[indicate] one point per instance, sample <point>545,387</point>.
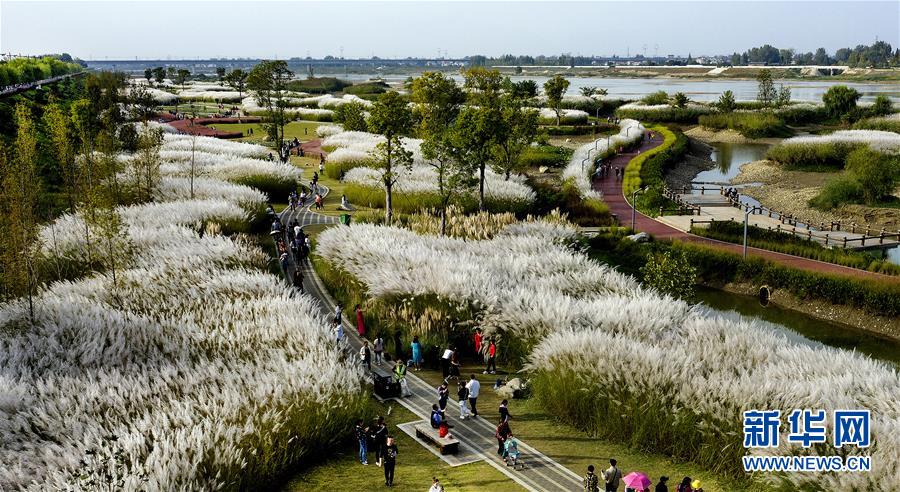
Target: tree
<point>181,77</point>
<point>148,74</point>
<point>671,273</point>
<point>784,96</point>
<point>141,102</point>
<point>19,190</point>
<point>391,118</point>
<point>523,89</point>
<point>438,101</point>
<point>821,57</point>
<point>171,72</point>
<point>268,80</point>
<point>840,100</point>
<point>237,80</point>
<point>159,73</point>
<point>519,127</point>
<point>766,89</point>
<point>680,100</point>
<point>554,90</point>
<point>588,91</point>
<point>478,125</point>
<point>726,102</point>
<point>220,72</point>
<point>57,123</point>
<point>656,98</point>
<point>882,106</point>
<point>145,163</point>
<point>352,116</point>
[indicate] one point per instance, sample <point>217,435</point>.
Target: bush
<point>670,114</point>
<point>317,85</point>
<point>656,98</point>
<point>750,125</point>
<point>839,191</point>
<point>883,124</point>
<point>825,156</point>
<point>566,197</point>
<point>410,203</point>
<point>366,88</point>
<point>545,155</point>
<point>800,114</point>
<point>671,273</point>
<point>876,173</point>
<point>276,189</point>
<point>352,116</point>
<point>840,100</point>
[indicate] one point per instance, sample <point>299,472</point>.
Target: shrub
<point>671,273</point>
<point>656,98</point>
<point>840,100</point>
<point>825,156</point>
<point>876,173</point>
<point>646,169</point>
<point>366,89</point>
<point>882,124</point>
<point>840,190</point>
<point>352,116</point>
<point>545,155</point>
<point>750,125</point>
<point>882,106</point>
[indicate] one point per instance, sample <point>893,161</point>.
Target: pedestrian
<point>462,394</point>
<point>362,436</point>
<point>591,481</point>
<point>612,476</point>
<point>443,395</point>
<point>661,486</point>
<point>478,338</point>
<point>360,322</point>
<point>285,263</point>
<point>338,330</point>
<point>390,461</point>
<point>684,486</point>
<point>379,439</point>
<point>491,365</point>
<point>445,363</point>
<point>337,313</point>
<point>365,355</point>
<point>416,353</point>
<point>501,434</point>
<point>378,348</point>
<point>504,410</point>
<point>298,280</point>
<point>436,416</point>
<point>400,377</point>
<point>319,205</point>
<point>696,486</point>
<point>436,485</point>
<point>321,168</point>
<point>454,364</point>
<point>474,387</point>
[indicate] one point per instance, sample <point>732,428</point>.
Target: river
<point>828,333</point>
<point>698,90</point>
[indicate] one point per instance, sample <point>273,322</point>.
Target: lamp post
<point>747,213</point>
<point>634,205</point>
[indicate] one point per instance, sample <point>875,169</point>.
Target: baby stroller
<point>511,453</point>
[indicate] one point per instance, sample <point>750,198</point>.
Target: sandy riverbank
<point>726,136</point>
<point>695,161</point>
<point>790,191</point>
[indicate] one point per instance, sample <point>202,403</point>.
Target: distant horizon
<point>100,31</point>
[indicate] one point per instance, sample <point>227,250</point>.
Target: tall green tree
<point>352,116</point>
<point>391,118</point>
<point>517,131</point>
<point>145,163</point>
<point>784,96</point>
<point>438,101</point>
<point>58,124</point>
<point>148,74</point>
<point>159,74</point>
<point>478,124</point>
<point>523,89</point>
<point>20,188</point>
<point>220,73</point>
<point>181,76</point>
<point>765,93</point>
<point>554,89</point>
<point>268,80</point>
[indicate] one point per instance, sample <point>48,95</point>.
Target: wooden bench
<point>447,445</point>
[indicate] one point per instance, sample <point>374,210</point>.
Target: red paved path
<point>612,195</point>
<point>200,126</point>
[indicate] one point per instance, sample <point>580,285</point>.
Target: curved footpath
<point>476,436</point>
<point>618,205</point>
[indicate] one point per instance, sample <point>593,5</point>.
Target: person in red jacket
<point>491,358</point>
<point>478,338</point>
<point>360,322</point>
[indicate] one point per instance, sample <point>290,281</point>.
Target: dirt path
<point>612,195</point>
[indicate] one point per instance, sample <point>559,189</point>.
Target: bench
<point>447,445</point>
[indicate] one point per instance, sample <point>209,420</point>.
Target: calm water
<point>729,158</point>
<point>828,333</point>
<point>698,90</point>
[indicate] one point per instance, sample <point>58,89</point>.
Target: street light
<point>634,205</point>
<point>747,212</point>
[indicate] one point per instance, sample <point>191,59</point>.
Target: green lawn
<point>309,165</point>
<point>341,471</point>
<point>303,130</point>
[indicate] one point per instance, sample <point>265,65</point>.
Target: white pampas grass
<point>630,131</point>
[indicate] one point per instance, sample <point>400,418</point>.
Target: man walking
<point>491,365</point>
<point>591,481</point>
<point>462,393</point>
<point>365,355</point>
<point>362,435</point>
<point>474,387</point>
<point>390,461</point>
<point>612,476</point>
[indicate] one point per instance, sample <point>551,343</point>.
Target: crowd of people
<point>611,479</point>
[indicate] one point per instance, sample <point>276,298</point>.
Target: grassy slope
<point>415,467</point>
<point>303,130</point>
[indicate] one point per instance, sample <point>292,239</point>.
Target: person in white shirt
<point>436,485</point>
<point>474,387</point>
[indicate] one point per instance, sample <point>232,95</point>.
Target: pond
<point>729,157</point>
<point>825,332</point>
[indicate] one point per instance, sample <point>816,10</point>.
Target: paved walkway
<point>618,205</point>
<point>476,436</point>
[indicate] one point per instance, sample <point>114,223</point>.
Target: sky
<point>233,29</point>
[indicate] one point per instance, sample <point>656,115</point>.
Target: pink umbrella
<point>637,480</point>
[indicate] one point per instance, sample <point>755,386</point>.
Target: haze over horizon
<point>161,30</point>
